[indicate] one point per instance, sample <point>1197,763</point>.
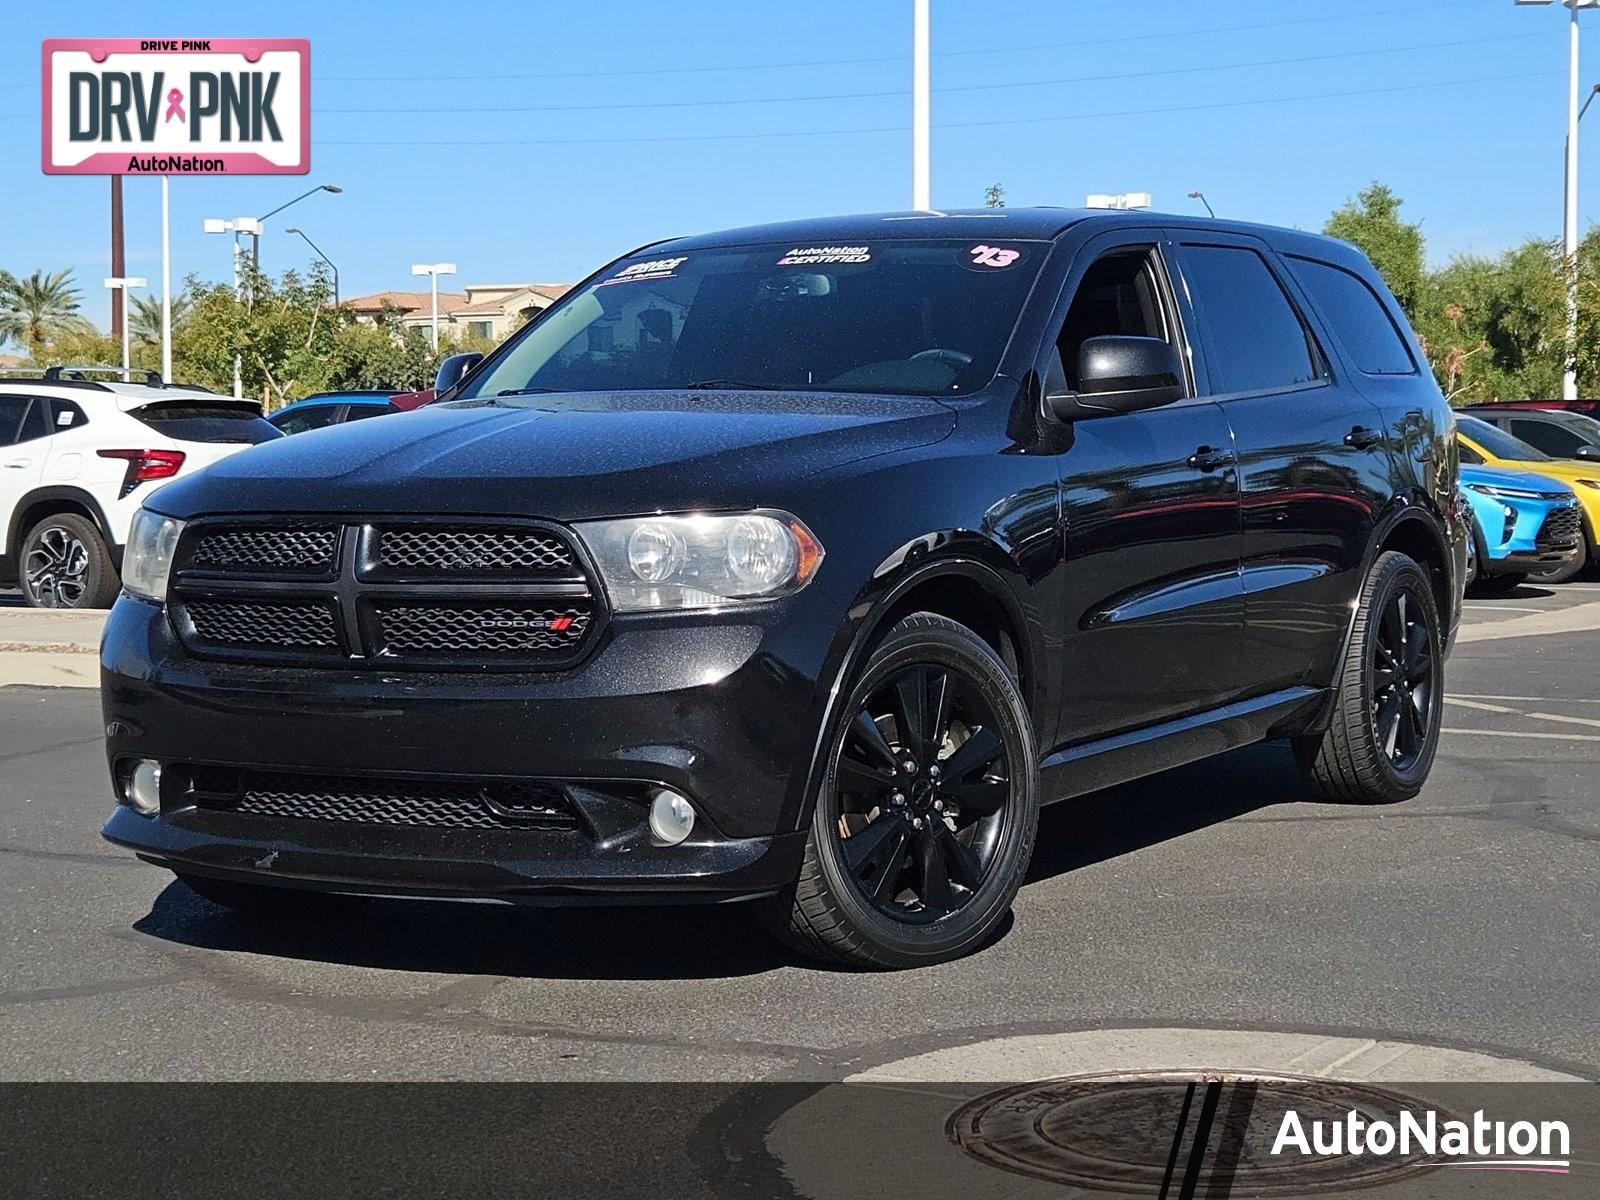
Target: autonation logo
<point>1477,1145</point>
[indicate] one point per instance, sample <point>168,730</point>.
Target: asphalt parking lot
<point>1452,933</point>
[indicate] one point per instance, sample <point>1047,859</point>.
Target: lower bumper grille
<point>1561,529</point>
<point>428,804</point>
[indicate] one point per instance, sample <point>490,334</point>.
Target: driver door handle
<point>18,464</point>
<point>1208,458</point>
<point>1363,439</point>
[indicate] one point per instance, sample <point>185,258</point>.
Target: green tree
<point>994,196</point>
<point>36,310</point>
<point>144,316</point>
<point>1372,222</point>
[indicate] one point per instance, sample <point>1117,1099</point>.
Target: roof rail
<point>151,378</point>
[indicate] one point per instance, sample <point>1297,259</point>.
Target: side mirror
<point>1121,375</point>
<point>453,369</point>
<point>1588,453</point>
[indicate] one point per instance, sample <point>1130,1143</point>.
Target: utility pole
<point>118,266</point>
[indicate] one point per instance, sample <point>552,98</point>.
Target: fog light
<point>671,817</point>
<point>144,786</point>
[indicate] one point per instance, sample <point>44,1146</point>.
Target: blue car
<point>1522,524</point>
<point>331,408</point>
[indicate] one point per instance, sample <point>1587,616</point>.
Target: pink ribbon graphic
<point>175,105</point>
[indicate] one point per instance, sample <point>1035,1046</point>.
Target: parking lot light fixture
<point>255,246</point>
<point>433,271</point>
<point>124,284</point>
<point>1201,196</point>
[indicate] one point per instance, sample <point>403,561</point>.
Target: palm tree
<point>35,310</point>
<point>144,316</point>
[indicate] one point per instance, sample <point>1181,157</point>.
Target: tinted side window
<point>1118,295</point>
<point>1547,436</point>
<point>1360,322</point>
<point>360,412</point>
<point>35,424</point>
<point>1254,339</point>
<point>12,410</point>
<point>1469,455</point>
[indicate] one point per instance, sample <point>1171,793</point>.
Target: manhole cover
<point>1179,1133</point>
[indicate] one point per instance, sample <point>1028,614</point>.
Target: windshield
<point>1500,443</point>
<point>902,317</point>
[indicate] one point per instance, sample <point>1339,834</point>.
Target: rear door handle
<point>1207,458</point>
<point>1363,439</point>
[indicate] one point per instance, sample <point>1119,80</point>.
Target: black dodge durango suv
<point>801,564</point>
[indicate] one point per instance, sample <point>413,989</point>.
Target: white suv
<point>78,457</point>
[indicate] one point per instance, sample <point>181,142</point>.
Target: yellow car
<point>1485,444</point>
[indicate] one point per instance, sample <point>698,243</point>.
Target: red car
<point>1589,408</point>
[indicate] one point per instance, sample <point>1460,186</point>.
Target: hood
<point>565,457</point>
<point>1505,477</point>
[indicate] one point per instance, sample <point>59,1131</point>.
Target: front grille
<point>307,549</point>
<point>1561,529</point>
<point>425,804</point>
<point>301,624</point>
<point>453,550</point>
<point>412,592</point>
<point>434,629</point>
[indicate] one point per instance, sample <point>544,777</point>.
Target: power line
<point>966,88</point>
<point>479,76</point>
<point>900,129</point>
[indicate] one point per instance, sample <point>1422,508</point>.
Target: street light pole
<point>921,188</point>
<point>120,286</point>
<point>238,225</point>
<point>433,271</point>
<point>255,237</point>
<point>1201,196</point>
<point>1569,222</point>
<point>317,250</point>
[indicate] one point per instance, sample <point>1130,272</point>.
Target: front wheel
<point>927,814</point>
<point>1562,572</point>
<point>1385,730</point>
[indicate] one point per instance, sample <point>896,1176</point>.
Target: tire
<point>1499,585</point>
<point>1353,762</point>
<point>1570,569</point>
<point>955,800</point>
<point>65,564</point>
<point>259,899</point>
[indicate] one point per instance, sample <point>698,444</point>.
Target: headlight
<point>147,561</point>
<point>1509,493</point>
<point>655,563</point>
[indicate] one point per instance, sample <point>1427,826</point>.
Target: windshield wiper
<point>526,391</point>
<point>723,385</point>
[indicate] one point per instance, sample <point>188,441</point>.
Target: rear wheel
<point>65,564</point>
<point>927,814</point>
<point>1385,730</point>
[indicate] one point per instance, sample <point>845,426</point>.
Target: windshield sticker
<point>993,258</point>
<point>659,268</point>
<point>816,256</point>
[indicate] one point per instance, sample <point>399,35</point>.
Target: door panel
<point>1153,616</point>
<point>24,441</point>
<point>1312,455</point>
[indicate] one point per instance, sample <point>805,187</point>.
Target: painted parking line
<point>1527,699</point>
<point>1480,706</point>
<point>1548,737</point>
<point>1539,716</point>
<point>1502,608</point>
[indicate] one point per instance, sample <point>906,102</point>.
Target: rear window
<point>198,421</point>
<point>1360,322</point>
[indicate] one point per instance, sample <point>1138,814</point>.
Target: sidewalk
<point>50,648</point>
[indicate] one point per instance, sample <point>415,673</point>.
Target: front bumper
<point>723,711</point>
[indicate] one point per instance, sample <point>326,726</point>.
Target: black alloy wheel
<point>1402,678</point>
<point>1383,731</point>
<point>921,788</point>
<point>926,814</point>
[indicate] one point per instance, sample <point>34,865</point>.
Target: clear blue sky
<point>533,141</point>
